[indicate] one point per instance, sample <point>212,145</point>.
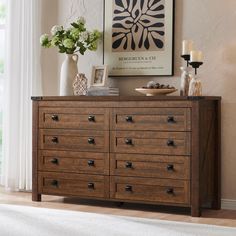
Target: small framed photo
<point>99,76</point>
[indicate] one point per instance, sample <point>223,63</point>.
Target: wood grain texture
<point>151,142</point>
<point>75,162</point>
<point>35,193</point>
<point>76,140</point>
<point>130,158</point>
<point>74,118</point>
<point>162,119</point>
<point>150,189</point>
<point>151,166</point>
<point>73,184</point>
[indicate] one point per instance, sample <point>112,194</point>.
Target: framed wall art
<point>139,37</point>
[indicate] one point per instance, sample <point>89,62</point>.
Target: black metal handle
<point>170,143</point>
<point>128,141</point>
<point>129,119</point>
<point>129,165</point>
<point>128,188</point>
<point>55,139</point>
<point>91,140</point>
<point>170,167</point>
<point>170,119</point>
<point>91,162</point>
<point>55,118</point>
<point>91,118</point>
<point>91,185</point>
<point>54,161</point>
<point>54,183</point>
<point>170,191</point>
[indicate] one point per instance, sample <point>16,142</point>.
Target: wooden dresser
<point>157,150</point>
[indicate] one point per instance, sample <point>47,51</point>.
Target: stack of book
<point>103,91</point>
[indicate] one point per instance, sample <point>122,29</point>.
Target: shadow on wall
<point>49,58</point>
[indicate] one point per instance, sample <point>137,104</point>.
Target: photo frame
<point>139,37</point>
<point>99,76</point>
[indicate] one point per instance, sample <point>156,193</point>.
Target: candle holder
<point>196,65</point>
<point>186,58</point>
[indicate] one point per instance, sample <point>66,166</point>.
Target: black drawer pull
<point>55,118</point>
<point>55,140</point>
<point>170,143</point>
<point>170,191</point>
<point>129,141</point>
<point>55,161</point>
<point>128,188</point>
<point>170,119</point>
<point>54,183</point>
<point>129,165</point>
<point>91,163</point>
<point>170,167</point>
<point>129,119</point>
<point>91,140</point>
<point>91,118</point>
<point>91,185</point>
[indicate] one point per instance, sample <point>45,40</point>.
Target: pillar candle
<point>196,56</point>
<point>187,47</point>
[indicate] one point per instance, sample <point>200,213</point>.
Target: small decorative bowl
<point>155,92</point>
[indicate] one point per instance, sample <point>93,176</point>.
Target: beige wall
<point>210,23</point>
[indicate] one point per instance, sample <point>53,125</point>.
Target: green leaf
<point>75,25</point>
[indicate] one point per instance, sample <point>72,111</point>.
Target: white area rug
<point>30,221</point>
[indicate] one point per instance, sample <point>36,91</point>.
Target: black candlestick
<point>186,58</point>
<point>196,65</point>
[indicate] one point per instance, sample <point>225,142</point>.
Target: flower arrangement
<point>72,40</point>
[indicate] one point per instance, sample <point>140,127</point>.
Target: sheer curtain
<point>23,79</point>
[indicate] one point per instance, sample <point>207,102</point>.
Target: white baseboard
<point>228,204</point>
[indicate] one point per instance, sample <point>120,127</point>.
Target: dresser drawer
<point>163,119</point>
<point>76,140</point>
<point>153,166</point>
<point>150,190</point>
<point>74,118</point>
<point>75,162</point>
<point>74,184</point>
<point>169,143</point>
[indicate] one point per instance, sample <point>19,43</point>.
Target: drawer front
<point>152,190</point>
<point>77,140</point>
<point>74,118</point>
<point>169,143</point>
<point>163,119</point>
<point>153,166</point>
<point>76,162</point>
<point>74,184</point>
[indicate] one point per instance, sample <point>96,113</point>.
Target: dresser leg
<point>195,211</point>
<point>216,204</point>
<point>36,197</point>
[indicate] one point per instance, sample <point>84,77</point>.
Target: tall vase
<point>69,70</point>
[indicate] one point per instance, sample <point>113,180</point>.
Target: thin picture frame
<point>149,64</point>
<point>99,76</point>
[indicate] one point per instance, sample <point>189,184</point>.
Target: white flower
<point>81,20</point>
<point>55,29</point>
<point>84,36</point>
<point>44,38</point>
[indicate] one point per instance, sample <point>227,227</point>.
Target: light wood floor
<point>222,217</point>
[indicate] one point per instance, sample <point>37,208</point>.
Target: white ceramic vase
<point>69,70</point>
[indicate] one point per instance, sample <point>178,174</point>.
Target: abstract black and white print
<point>138,25</point>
